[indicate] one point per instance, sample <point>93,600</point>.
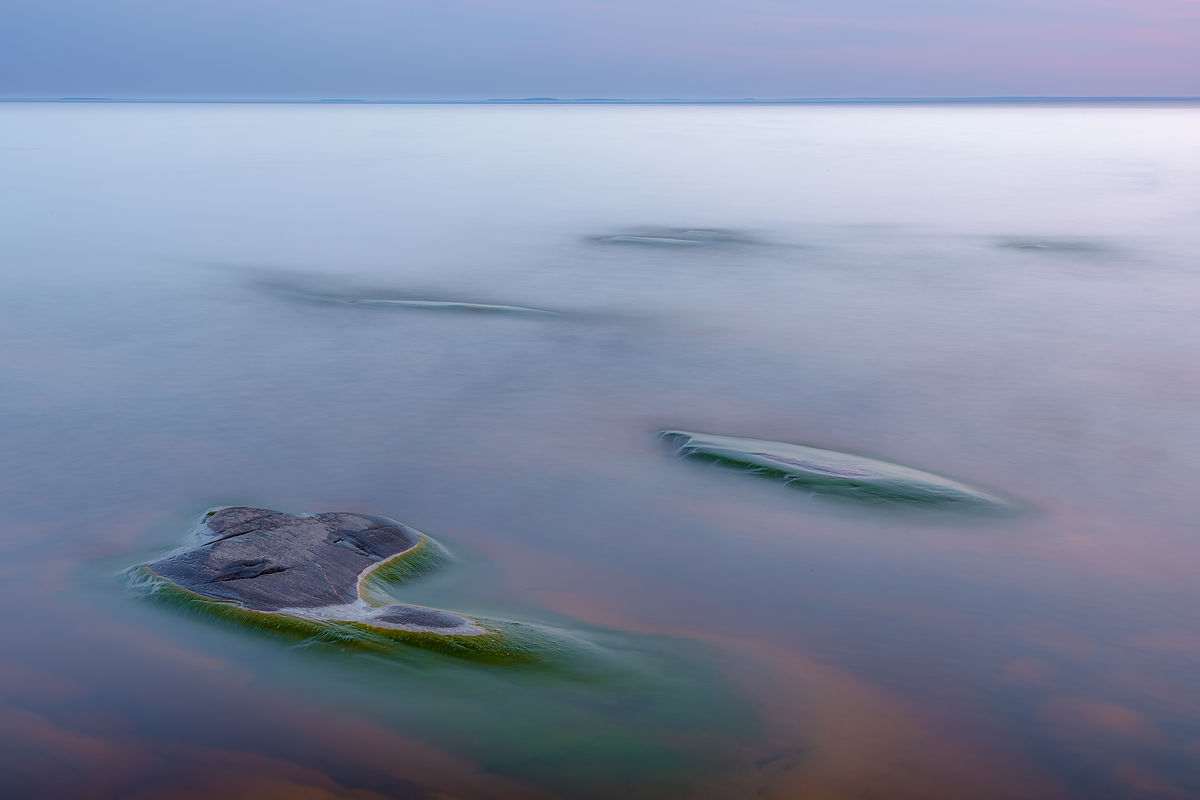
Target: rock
<point>448,305</point>
<point>677,237</point>
<point>832,472</point>
<point>315,567</point>
<point>1080,246</point>
<point>332,293</point>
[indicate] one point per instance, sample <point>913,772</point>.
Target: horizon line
<point>617,100</point>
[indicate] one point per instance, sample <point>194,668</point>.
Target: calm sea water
<point>1008,295</point>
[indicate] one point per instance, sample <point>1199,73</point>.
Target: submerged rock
<point>830,471</point>
<point>1053,245</point>
<point>447,305</point>
<point>365,300</point>
<point>325,292</point>
<point>677,237</point>
<point>402,303</point>
<point>318,568</point>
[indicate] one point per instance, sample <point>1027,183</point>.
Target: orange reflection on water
<point>212,772</point>
<point>1063,642</point>
<point>1082,719</point>
<point>1168,698</point>
<point>1142,780</point>
<point>62,762</point>
<point>1029,672</point>
<point>1181,643</point>
<point>828,735</point>
<point>859,740</point>
<point>64,724</point>
<point>23,683</point>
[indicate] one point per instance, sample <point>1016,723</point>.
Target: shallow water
<point>1004,295</point>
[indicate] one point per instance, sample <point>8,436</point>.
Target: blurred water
<point>1007,295</point>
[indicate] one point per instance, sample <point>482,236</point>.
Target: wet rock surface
<point>830,471</point>
<point>310,566</point>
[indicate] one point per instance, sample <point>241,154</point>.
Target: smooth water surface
<point>332,308</point>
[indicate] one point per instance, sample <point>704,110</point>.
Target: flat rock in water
<point>831,471</point>
<point>308,566</point>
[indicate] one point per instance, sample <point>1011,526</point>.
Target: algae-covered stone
<point>314,567</point>
<point>831,471</point>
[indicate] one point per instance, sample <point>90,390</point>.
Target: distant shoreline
<point>546,101</point>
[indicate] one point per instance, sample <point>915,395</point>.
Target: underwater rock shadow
<point>840,476</point>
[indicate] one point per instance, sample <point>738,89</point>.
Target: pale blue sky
<point>471,49</point>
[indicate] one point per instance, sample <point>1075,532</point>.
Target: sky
<point>479,49</point>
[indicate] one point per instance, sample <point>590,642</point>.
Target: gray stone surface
<point>302,565</point>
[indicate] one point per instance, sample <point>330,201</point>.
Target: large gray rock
<point>308,566</point>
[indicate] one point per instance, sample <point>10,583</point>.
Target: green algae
<point>503,641</point>
<point>155,587</point>
<point>593,713</point>
<point>376,585</point>
<point>648,712</point>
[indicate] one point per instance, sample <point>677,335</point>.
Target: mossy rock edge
<point>330,577</point>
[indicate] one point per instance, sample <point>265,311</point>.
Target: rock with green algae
<point>593,703</point>
<point>325,574</point>
<point>833,472</point>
